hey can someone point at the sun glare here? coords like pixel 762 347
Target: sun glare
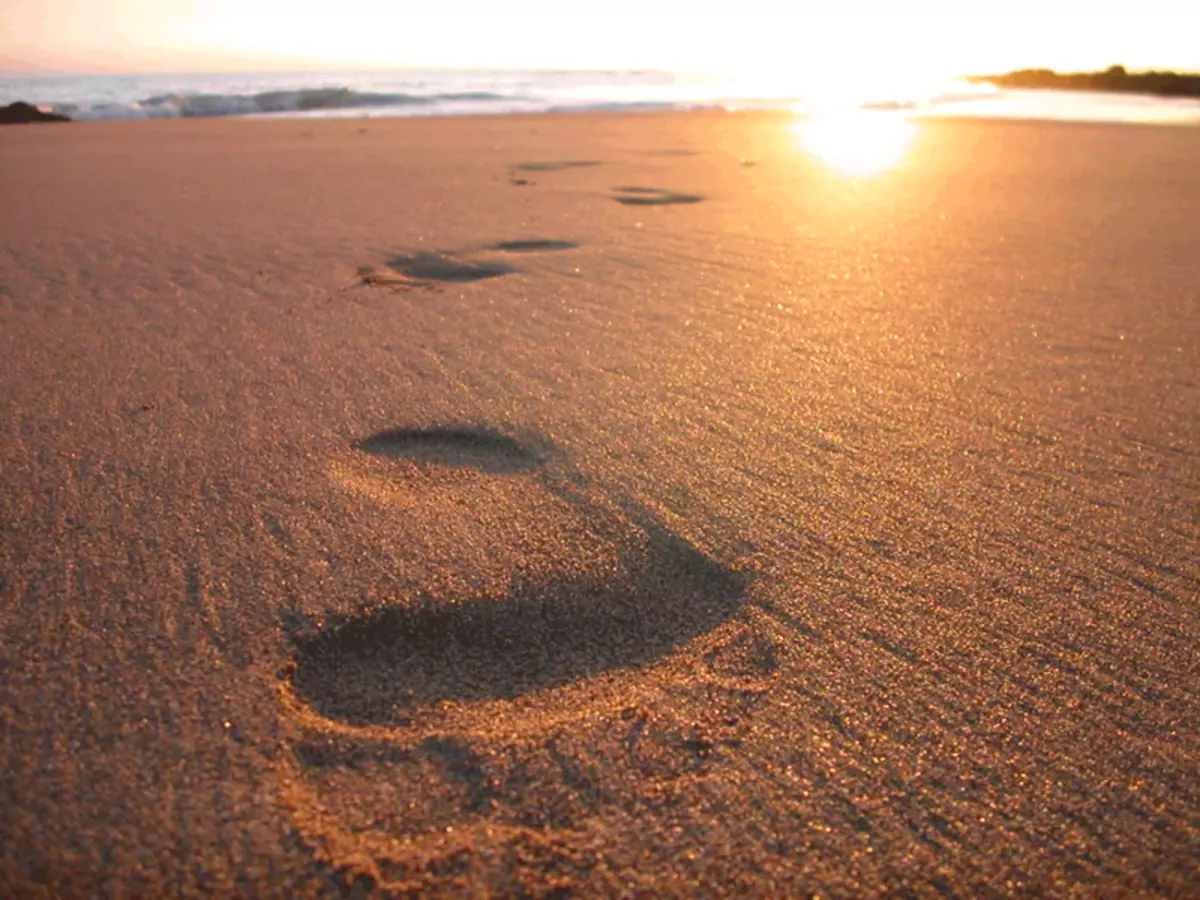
pixel 857 143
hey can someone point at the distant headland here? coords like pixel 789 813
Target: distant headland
pixel 1114 78
pixel 21 113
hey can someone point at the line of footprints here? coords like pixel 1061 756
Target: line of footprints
pixel 434 738
pixel 428 269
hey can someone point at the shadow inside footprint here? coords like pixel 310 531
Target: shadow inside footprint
pixel 533 246
pixel 647 196
pixel 555 166
pixel 440 267
pixel 388 667
pixel 461 447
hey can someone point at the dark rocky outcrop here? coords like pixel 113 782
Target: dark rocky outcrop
pixel 1115 78
pixel 19 113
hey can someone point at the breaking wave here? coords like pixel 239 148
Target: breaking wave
pixel 309 100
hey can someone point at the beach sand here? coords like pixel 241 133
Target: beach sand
pixel 395 506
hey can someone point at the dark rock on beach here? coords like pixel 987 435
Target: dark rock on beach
pixel 1114 78
pixel 19 113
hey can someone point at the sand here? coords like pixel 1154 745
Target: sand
pixel 563 506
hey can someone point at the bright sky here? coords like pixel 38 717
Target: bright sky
pixel 757 38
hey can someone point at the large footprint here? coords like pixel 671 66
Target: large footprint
pixel 516 172
pixel 428 268
pixel 430 728
pixel 631 195
pixel 555 166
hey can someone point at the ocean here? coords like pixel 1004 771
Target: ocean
pixel 476 92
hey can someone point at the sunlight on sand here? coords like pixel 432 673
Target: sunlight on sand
pixel 858 143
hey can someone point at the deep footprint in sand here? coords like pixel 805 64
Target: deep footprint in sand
pixel 533 246
pixel 458 446
pixel 446 267
pixel 635 602
pixel 426 268
pixel 402 665
pixel 429 729
pixel 556 165
pixel 632 195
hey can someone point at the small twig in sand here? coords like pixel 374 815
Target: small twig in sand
pixel 374 278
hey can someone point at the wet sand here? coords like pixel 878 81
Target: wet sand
pixel 561 506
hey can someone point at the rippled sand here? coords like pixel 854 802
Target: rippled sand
pixel 596 505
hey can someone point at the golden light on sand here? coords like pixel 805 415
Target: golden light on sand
pixel 858 143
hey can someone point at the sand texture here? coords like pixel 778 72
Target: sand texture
pixel 564 506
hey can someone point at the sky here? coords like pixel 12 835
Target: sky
pixel 769 39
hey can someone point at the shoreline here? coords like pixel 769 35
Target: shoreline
pixel 456 93
pixel 918 116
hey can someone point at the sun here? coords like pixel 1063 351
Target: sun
pixel 858 143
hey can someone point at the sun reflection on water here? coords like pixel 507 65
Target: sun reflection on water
pixel 860 143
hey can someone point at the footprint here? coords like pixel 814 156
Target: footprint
pixel 555 166
pixel 461 447
pixel 646 196
pixel 637 594
pixel 445 267
pixel 423 269
pixel 417 661
pixel 480 736
pixel 533 246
